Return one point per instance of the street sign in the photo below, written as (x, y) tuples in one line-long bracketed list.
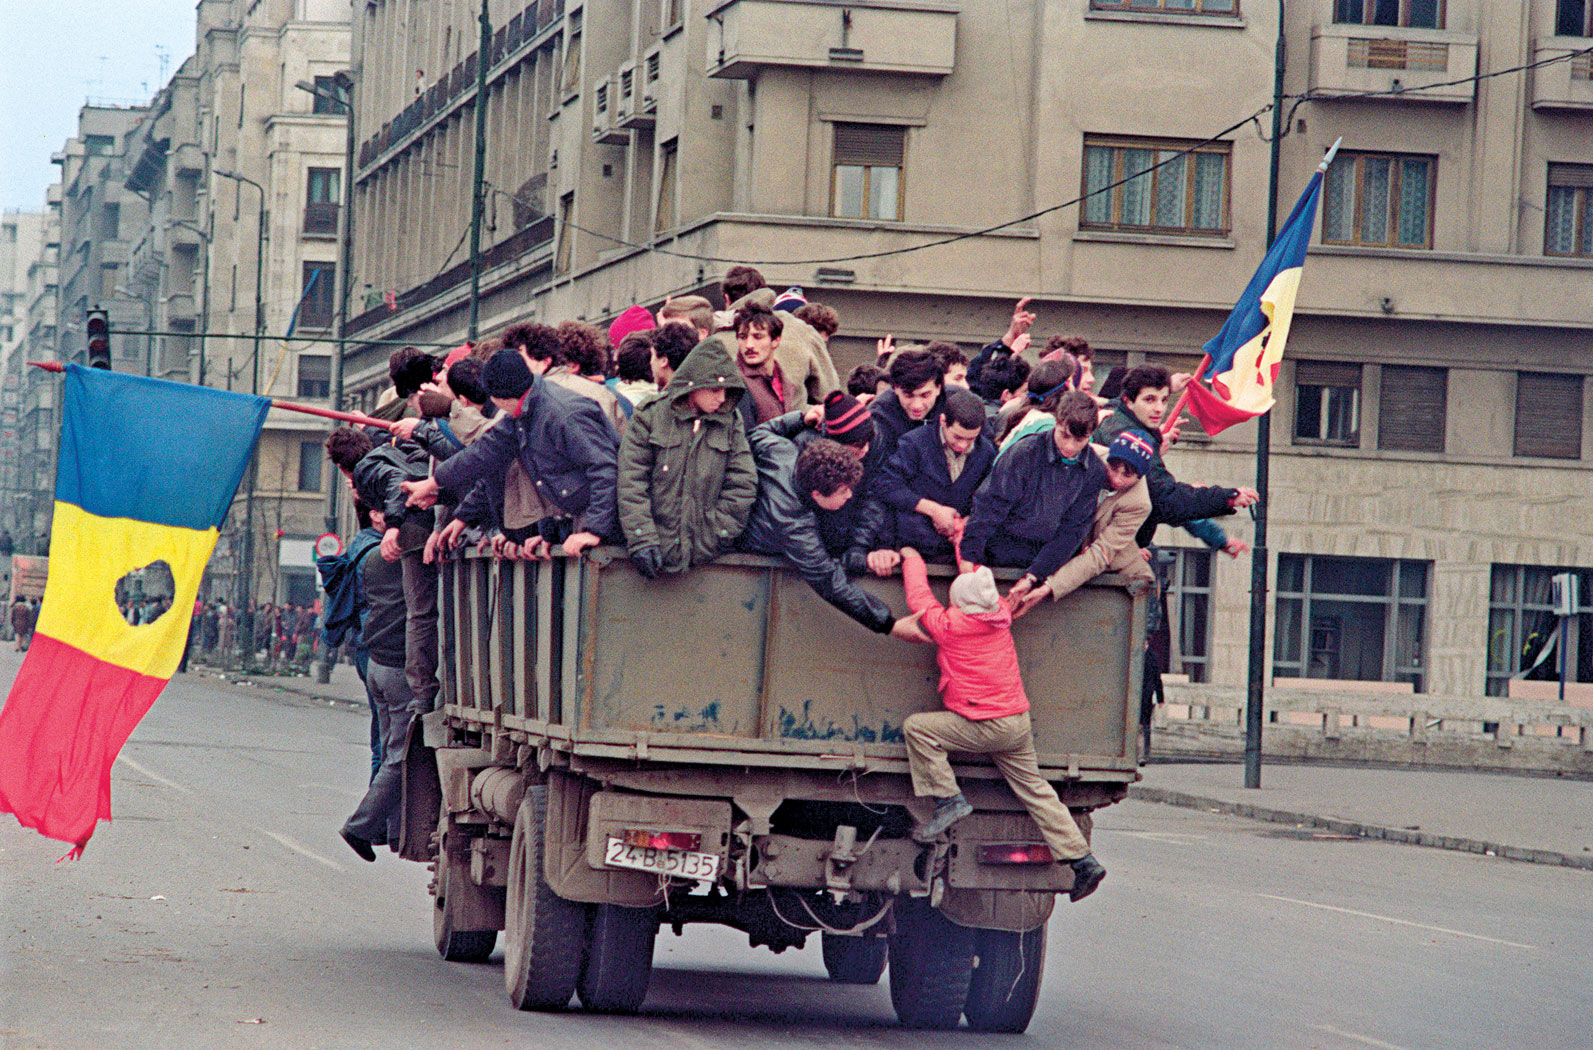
[(328, 545)]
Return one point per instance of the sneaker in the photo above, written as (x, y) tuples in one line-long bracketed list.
[(1087, 876), (358, 845), (947, 812)]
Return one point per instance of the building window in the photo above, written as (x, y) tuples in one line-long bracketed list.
[(1548, 415), (1571, 18), (867, 182), (321, 201), (562, 250), (311, 460), (1567, 229), (1189, 604), (1171, 7), (1327, 403), (664, 213), (1423, 14), (1187, 193), (1351, 619), (572, 58), (315, 376), (330, 97), (1379, 199), (1412, 409), (99, 145), (316, 296), (1523, 632), (674, 12)]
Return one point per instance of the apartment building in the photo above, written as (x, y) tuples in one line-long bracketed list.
[(21, 243), (1430, 443), (29, 512)]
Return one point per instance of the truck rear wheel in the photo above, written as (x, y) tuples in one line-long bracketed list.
[(544, 934), (1006, 982), (452, 884), (619, 958), (853, 960), (931, 963)]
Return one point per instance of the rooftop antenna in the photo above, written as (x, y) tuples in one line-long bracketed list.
[(163, 57)]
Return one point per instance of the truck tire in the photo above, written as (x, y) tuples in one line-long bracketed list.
[(544, 934), (619, 958), (853, 960), (1006, 982), (451, 883), (931, 964)]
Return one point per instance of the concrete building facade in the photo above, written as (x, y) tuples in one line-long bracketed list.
[(22, 237), (919, 165)]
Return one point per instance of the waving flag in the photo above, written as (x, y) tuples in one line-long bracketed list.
[(147, 471), (1236, 382)]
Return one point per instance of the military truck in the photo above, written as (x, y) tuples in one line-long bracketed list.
[(612, 755)]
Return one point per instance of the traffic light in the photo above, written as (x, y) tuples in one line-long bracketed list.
[(99, 339)]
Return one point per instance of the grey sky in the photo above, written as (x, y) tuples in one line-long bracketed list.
[(57, 53)]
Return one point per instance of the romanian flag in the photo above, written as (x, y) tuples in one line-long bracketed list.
[(1242, 360), (147, 471)]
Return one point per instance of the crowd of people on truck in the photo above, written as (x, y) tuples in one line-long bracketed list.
[(696, 432)]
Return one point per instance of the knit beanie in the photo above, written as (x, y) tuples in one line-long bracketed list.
[(846, 420), (456, 355), (975, 592), (1133, 448), (633, 319), (506, 375), (791, 300)]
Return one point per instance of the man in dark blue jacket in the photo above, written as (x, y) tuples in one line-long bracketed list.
[(563, 441), (915, 397), (1035, 509), (930, 483)]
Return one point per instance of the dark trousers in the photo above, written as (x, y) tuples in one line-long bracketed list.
[(1011, 552), (420, 629), (376, 819)]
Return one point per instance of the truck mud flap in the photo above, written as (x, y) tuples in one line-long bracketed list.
[(421, 796), (564, 852), (1015, 911)]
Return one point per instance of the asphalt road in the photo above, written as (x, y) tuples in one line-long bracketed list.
[(221, 910)]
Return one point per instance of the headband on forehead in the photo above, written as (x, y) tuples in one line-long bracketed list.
[(1037, 398)]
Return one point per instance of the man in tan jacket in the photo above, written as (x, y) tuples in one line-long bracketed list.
[(803, 355), (1122, 509)]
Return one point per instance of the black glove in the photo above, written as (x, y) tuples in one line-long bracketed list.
[(855, 561), (649, 561), (555, 529)]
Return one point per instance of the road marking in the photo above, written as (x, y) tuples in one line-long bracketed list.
[(301, 850), (1365, 1040), (151, 774), (1171, 838), (1398, 922)]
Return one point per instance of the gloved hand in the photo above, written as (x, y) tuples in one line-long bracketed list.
[(649, 561), (855, 561)]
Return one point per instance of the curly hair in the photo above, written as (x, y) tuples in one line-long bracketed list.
[(539, 342), (823, 318), (1072, 344), (409, 368), (346, 446), (825, 467), (583, 347), (483, 349)]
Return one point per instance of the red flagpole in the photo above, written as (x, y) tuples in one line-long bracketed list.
[(357, 418), (1183, 399)]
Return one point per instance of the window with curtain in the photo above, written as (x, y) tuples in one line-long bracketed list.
[(1189, 608), (1165, 188), (1523, 632), (1354, 619), (868, 162), (1567, 230), (1379, 199), (1327, 403), (330, 97), (315, 375), (1422, 14), (317, 295), (1169, 7), (312, 458)]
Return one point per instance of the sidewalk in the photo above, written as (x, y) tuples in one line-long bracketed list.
[(344, 688), (1544, 820)]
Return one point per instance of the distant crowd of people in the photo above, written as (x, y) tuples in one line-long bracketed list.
[(700, 430)]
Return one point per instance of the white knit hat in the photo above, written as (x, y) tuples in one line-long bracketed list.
[(975, 591)]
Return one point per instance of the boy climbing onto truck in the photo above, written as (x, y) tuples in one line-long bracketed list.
[(987, 713)]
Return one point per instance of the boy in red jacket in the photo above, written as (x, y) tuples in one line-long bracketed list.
[(987, 714)]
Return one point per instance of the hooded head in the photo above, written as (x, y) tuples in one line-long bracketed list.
[(975, 592), (708, 365)]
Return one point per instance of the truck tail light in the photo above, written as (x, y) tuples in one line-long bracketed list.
[(648, 839), (1014, 853)]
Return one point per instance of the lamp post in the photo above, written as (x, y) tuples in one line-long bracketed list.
[(204, 280), (246, 568)]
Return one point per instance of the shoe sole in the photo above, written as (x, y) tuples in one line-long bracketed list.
[(1082, 890), (924, 836)]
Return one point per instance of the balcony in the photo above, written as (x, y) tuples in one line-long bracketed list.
[(1567, 84), (320, 219), (1357, 59), (869, 36)]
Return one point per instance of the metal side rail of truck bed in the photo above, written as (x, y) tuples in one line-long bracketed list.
[(723, 746)]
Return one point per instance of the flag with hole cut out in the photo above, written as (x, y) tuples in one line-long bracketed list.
[(147, 471)]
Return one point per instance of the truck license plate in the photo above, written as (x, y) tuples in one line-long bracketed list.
[(684, 863)]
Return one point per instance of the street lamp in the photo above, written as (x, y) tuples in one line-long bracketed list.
[(204, 309), (246, 574)]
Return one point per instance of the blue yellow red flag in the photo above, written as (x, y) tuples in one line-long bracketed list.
[(1243, 358), (147, 471)]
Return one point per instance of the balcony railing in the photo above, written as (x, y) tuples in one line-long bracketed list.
[(320, 219), (1565, 84)]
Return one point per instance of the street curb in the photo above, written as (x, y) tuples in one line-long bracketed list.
[(1359, 829), (284, 685)]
